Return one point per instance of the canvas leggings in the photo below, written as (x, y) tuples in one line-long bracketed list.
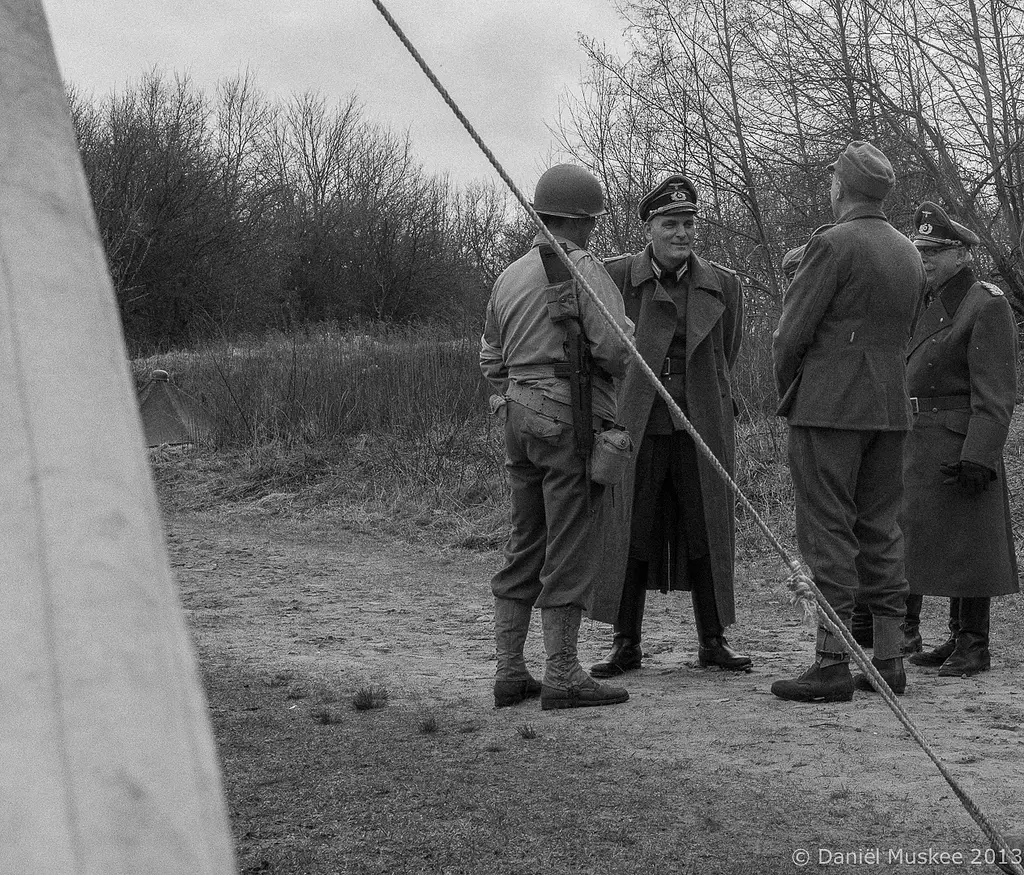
[(556, 515), (849, 487)]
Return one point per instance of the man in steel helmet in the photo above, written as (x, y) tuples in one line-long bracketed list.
[(676, 523), (556, 510)]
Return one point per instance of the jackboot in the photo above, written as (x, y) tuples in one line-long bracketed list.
[(513, 682), (892, 672), (971, 654), (626, 654), (937, 655), (712, 648), (862, 624), (820, 683), (912, 642), (566, 684)]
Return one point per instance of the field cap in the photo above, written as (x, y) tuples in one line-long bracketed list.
[(674, 194), (864, 168), (934, 228)]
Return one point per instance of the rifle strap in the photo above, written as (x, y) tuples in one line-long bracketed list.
[(579, 364)]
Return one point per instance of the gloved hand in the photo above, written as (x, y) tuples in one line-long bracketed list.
[(971, 477)]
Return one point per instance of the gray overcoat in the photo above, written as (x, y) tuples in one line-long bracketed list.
[(714, 326), (965, 346)]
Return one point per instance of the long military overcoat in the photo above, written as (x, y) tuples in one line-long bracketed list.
[(965, 346), (714, 326)]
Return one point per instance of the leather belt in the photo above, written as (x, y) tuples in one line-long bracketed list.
[(935, 403), (538, 402), (672, 366)]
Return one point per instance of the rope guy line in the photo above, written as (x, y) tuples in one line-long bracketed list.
[(803, 590)]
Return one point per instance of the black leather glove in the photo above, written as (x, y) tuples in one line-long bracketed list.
[(971, 477)]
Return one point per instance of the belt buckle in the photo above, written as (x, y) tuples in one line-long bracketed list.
[(666, 368), (914, 405)]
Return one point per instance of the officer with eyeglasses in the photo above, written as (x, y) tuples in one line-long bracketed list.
[(961, 375)]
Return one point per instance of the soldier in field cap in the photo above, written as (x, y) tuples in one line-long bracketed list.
[(839, 355), (676, 528), (961, 374)]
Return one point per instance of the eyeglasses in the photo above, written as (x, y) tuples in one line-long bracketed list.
[(932, 251)]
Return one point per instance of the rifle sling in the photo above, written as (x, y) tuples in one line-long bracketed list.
[(579, 364)]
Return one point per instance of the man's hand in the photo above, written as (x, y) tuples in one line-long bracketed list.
[(971, 477)]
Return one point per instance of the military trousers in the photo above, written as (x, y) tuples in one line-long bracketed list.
[(551, 552), (849, 487)]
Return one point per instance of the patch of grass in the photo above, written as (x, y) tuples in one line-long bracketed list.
[(427, 724), (527, 731), (370, 698), (325, 715)]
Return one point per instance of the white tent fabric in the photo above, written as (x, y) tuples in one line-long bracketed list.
[(107, 761)]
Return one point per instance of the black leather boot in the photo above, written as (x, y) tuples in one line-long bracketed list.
[(862, 625), (626, 654), (936, 656), (971, 654), (831, 683), (912, 642), (892, 673), (713, 649)]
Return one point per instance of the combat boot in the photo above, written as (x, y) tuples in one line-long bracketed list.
[(513, 682), (971, 654), (712, 648), (912, 642), (716, 651), (626, 655), (566, 684), (936, 656), (831, 683), (892, 672)]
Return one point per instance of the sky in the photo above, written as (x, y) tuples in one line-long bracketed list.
[(508, 63)]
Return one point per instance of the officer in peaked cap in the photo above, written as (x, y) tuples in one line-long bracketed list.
[(674, 194), (934, 229), (839, 357), (961, 374), (677, 533)]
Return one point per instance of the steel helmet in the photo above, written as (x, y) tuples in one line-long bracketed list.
[(570, 192)]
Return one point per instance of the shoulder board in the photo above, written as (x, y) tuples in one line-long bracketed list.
[(993, 290), (722, 267), (615, 258)]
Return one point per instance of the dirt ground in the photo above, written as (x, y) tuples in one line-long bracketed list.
[(282, 593)]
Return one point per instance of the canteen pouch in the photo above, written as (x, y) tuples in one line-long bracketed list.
[(612, 453)]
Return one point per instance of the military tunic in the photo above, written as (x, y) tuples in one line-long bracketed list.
[(840, 366), (710, 334), (550, 559), (963, 360)]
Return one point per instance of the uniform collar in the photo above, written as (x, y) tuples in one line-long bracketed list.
[(955, 289), (645, 267), (661, 272), (567, 245), (863, 211)]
